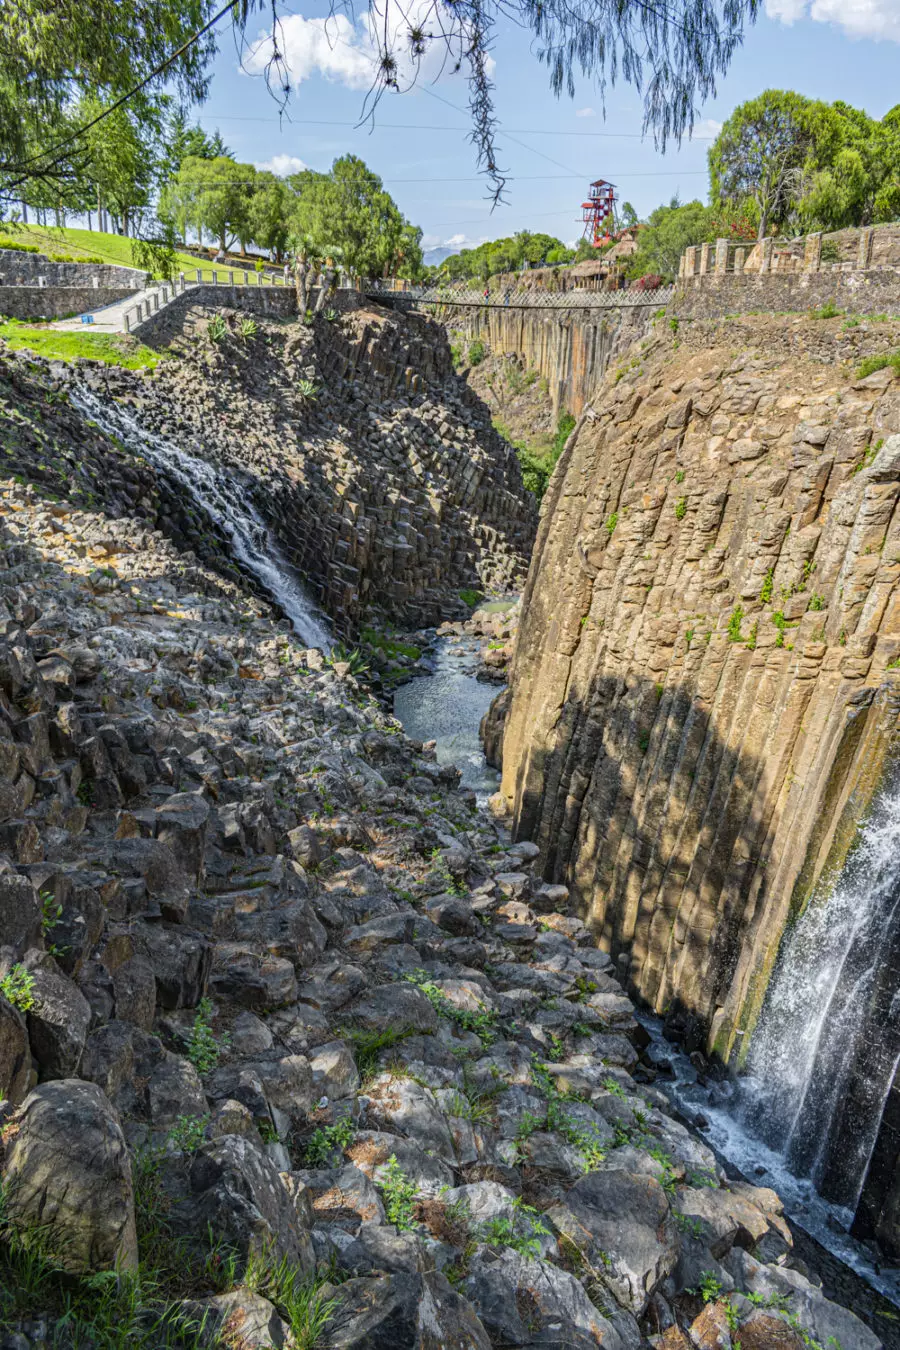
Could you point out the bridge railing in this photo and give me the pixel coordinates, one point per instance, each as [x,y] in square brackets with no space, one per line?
[509,297]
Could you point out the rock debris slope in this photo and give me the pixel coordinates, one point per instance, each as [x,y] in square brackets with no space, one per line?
[290,1034]
[379,469]
[705,688]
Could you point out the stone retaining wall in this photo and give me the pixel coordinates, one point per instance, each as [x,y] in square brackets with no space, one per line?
[875,291]
[24,269]
[57,302]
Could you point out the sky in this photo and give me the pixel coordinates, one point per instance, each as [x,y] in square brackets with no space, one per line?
[551,147]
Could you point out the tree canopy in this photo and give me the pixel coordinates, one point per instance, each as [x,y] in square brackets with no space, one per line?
[506,255]
[800,164]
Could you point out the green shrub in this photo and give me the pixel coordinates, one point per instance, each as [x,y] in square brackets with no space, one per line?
[327,1140]
[765,594]
[399,1196]
[203,1049]
[217,328]
[734,624]
[477,352]
[681,508]
[611,522]
[828,311]
[470,597]
[873,363]
[18,988]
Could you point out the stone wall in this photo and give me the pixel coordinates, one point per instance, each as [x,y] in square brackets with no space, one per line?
[706,672]
[570,349]
[24,269]
[56,302]
[856,270]
[168,323]
[876,291]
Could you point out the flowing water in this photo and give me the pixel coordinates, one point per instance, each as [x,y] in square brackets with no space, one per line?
[222,496]
[805,1116]
[447,707]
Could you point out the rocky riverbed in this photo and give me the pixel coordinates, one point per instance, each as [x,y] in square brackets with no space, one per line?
[291,1036]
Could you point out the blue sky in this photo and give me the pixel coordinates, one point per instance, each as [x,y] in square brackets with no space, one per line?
[552,148]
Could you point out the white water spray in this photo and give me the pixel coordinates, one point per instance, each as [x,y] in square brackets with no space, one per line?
[229,503]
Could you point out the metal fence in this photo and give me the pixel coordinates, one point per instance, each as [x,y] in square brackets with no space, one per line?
[510,297]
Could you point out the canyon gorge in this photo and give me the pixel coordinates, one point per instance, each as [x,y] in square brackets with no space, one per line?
[358,1058]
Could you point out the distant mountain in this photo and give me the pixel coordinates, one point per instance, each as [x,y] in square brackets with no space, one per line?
[433,257]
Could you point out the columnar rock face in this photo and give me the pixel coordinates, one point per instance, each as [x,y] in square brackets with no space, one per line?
[570,349]
[705,689]
[380,471]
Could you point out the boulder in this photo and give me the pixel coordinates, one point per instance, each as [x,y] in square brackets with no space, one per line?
[404,1312]
[80,1197]
[622,1224]
[405,1107]
[237,1191]
[15,1057]
[397,1007]
[59,1019]
[525,1301]
[240,1319]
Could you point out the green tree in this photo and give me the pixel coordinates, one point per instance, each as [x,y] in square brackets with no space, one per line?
[760,152]
[118,169]
[269,213]
[669,231]
[212,195]
[349,209]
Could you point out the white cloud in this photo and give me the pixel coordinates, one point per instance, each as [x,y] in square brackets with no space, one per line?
[858,18]
[585,112]
[347,53]
[281,165]
[708,129]
[464,241]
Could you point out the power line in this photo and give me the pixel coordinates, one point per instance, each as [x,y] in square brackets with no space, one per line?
[426,126]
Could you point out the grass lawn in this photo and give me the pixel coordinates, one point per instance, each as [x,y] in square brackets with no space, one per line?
[111,248]
[115,349]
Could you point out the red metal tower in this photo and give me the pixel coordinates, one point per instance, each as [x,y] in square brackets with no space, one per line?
[597,213]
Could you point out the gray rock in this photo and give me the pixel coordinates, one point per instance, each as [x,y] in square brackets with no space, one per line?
[405,1107]
[59,1019]
[421,1312]
[180,960]
[525,1301]
[239,1318]
[20,914]
[15,1056]
[237,1190]
[394,1006]
[80,1197]
[334,1071]
[622,1223]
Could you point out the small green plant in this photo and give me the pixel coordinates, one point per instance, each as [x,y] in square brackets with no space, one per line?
[476,352]
[734,624]
[816,602]
[188,1133]
[689,1225]
[482,1023]
[750,644]
[611,522]
[328,1140]
[399,1196]
[781,624]
[217,328]
[765,594]
[18,988]
[881,362]
[674,324]
[368,1045]
[828,311]
[470,597]
[349,656]
[681,508]
[521,1230]
[249,328]
[679,475]
[203,1049]
[308,390]
[331,316]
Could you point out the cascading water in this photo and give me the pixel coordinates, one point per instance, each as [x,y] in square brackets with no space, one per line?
[823,1055]
[229,503]
[805,1116]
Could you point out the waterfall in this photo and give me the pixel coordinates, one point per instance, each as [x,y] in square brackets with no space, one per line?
[826,1046]
[228,502]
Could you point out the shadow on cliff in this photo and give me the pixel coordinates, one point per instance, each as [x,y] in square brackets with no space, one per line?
[651,817]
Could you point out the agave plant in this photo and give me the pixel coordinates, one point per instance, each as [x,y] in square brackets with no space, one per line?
[249,329]
[308,389]
[217,328]
[331,315]
[352,657]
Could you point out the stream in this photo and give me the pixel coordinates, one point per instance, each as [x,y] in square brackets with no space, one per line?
[447,707]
